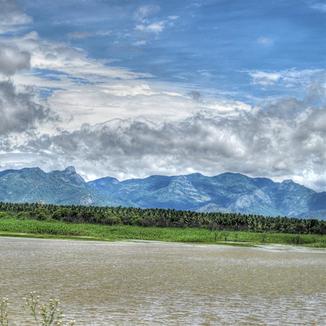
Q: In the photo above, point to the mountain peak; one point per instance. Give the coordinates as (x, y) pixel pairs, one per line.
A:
(288, 181)
(231, 175)
(70, 169)
(231, 192)
(32, 169)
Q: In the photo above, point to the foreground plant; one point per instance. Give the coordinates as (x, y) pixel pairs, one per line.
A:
(4, 312)
(43, 314)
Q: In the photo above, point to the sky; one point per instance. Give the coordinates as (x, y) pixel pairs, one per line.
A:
(134, 88)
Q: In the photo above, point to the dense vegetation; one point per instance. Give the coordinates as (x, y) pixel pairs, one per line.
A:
(83, 231)
(162, 218)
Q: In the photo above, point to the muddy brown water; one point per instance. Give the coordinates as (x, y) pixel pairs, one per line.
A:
(150, 283)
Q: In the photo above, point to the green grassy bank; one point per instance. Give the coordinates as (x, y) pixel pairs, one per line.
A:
(64, 230)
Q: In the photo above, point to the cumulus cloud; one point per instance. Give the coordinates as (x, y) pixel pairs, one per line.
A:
(140, 147)
(195, 95)
(132, 99)
(13, 60)
(18, 110)
(11, 16)
(283, 139)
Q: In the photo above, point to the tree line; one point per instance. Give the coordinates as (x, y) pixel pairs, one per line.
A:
(162, 218)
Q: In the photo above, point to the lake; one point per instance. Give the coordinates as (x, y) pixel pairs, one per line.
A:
(150, 283)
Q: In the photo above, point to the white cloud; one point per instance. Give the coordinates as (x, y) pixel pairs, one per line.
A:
(147, 24)
(19, 111)
(288, 78)
(133, 99)
(11, 17)
(67, 60)
(265, 78)
(283, 139)
(13, 60)
(82, 35)
(156, 27)
(89, 91)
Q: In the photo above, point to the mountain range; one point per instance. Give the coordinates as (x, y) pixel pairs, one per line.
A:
(227, 192)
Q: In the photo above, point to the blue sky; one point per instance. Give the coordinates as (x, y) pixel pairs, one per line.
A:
(134, 88)
(209, 44)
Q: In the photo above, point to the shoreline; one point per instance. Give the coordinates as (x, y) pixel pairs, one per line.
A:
(231, 243)
(24, 235)
(271, 247)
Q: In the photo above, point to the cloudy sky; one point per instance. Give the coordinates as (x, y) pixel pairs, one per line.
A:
(133, 88)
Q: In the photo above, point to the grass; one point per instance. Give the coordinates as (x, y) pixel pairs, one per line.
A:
(62, 230)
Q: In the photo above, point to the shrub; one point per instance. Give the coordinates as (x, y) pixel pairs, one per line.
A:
(43, 314)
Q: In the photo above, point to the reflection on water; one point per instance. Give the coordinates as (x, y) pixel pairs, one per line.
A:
(171, 284)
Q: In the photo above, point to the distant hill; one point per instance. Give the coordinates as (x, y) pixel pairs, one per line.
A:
(227, 192)
(34, 185)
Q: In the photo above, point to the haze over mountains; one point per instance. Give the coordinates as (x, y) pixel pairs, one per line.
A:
(231, 192)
